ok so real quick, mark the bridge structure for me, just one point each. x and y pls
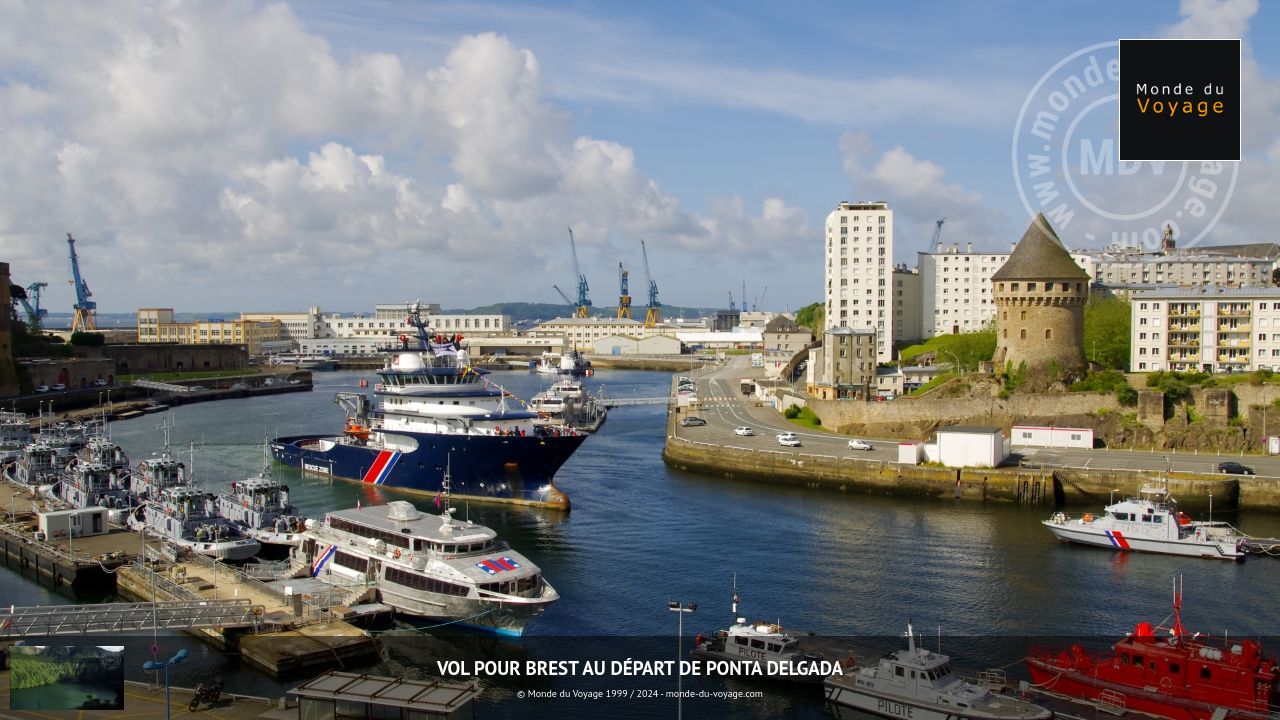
(621, 402)
(42, 620)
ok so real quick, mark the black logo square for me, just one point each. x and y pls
(1179, 100)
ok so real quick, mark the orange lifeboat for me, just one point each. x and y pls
(356, 430)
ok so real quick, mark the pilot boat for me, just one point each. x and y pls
(1150, 522)
(922, 685)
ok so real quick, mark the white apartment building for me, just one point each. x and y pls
(955, 288)
(859, 267)
(1211, 329)
(1184, 270)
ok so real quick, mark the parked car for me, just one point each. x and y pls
(59, 387)
(1235, 468)
(42, 388)
(693, 422)
(99, 383)
(856, 444)
(789, 441)
(744, 431)
(786, 434)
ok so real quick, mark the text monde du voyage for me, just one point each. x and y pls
(1177, 100)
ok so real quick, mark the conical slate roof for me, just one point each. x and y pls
(1040, 256)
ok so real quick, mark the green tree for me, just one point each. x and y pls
(1106, 331)
(966, 349)
(88, 339)
(812, 316)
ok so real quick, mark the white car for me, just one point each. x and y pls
(744, 431)
(860, 445)
(789, 441)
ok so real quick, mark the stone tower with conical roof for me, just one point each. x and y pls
(1039, 295)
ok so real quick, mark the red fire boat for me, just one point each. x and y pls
(1166, 672)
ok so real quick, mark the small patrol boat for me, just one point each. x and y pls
(1150, 522)
(775, 652)
(180, 515)
(922, 685)
(260, 508)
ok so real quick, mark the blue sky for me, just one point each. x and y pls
(252, 156)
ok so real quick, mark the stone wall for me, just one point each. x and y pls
(918, 417)
(72, 372)
(138, 359)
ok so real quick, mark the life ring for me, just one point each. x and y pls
(246, 503)
(404, 338)
(396, 554)
(1166, 683)
(848, 662)
(697, 641)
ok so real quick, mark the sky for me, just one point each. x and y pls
(240, 155)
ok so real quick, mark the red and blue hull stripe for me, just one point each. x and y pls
(321, 559)
(381, 468)
(1117, 540)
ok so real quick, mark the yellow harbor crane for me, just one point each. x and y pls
(624, 296)
(653, 312)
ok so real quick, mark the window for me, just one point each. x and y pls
(1048, 334)
(1024, 334)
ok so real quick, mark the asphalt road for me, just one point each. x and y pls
(724, 407)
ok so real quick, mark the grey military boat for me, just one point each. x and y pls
(921, 685)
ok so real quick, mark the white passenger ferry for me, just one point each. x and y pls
(430, 566)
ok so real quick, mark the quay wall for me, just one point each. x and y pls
(1032, 486)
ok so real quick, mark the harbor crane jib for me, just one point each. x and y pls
(652, 313)
(86, 310)
(31, 304)
(584, 299)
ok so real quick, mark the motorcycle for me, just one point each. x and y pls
(207, 694)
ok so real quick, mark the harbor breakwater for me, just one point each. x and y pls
(1028, 486)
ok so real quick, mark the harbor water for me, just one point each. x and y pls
(640, 535)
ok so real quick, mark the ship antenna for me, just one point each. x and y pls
(911, 637)
(446, 484)
(735, 594)
(1178, 630)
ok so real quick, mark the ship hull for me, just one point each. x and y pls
(1113, 540)
(843, 693)
(483, 467)
(1086, 688)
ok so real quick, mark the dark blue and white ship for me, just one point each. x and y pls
(430, 405)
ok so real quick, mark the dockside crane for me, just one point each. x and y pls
(937, 234)
(732, 307)
(86, 317)
(567, 301)
(652, 313)
(624, 294)
(755, 304)
(584, 300)
(31, 304)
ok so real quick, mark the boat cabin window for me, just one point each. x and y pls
(897, 670)
(774, 647)
(1157, 519)
(740, 640)
(1120, 515)
(1137, 660)
(758, 644)
(1175, 668)
(1146, 518)
(1205, 672)
(913, 675)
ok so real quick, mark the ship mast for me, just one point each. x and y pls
(1178, 630)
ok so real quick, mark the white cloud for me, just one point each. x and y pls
(221, 156)
(919, 194)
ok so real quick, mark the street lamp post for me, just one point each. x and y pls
(680, 609)
(165, 665)
(955, 357)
